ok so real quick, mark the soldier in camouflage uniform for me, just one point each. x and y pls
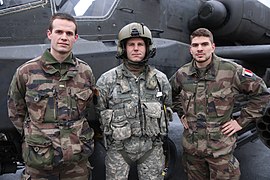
(47, 102)
(203, 93)
(134, 98)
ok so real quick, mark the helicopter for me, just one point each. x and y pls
(241, 30)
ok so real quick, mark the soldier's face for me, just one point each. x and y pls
(136, 49)
(62, 36)
(201, 49)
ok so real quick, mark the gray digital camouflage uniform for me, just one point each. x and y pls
(133, 121)
(47, 102)
(207, 100)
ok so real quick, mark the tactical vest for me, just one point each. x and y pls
(135, 107)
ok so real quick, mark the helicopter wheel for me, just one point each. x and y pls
(170, 159)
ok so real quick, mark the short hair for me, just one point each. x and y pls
(63, 16)
(202, 32)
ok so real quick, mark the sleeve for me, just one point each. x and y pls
(258, 96)
(92, 78)
(102, 102)
(17, 109)
(176, 89)
(93, 86)
(168, 92)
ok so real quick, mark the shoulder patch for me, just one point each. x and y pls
(247, 73)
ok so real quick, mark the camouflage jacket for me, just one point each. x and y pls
(132, 106)
(207, 101)
(47, 103)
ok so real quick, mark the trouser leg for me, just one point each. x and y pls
(196, 167)
(152, 167)
(224, 167)
(116, 166)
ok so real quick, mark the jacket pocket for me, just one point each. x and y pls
(220, 101)
(131, 111)
(153, 114)
(121, 130)
(83, 99)
(120, 126)
(37, 103)
(38, 152)
(76, 141)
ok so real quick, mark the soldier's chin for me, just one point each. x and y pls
(198, 60)
(63, 51)
(136, 59)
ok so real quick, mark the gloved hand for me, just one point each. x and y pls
(169, 114)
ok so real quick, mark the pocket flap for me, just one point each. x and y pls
(37, 140)
(152, 109)
(119, 124)
(222, 93)
(84, 95)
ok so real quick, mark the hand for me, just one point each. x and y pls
(184, 122)
(169, 114)
(230, 127)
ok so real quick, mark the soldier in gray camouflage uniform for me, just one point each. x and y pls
(47, 102)
(134, 100)
(203, 93)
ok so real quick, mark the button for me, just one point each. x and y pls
(36, 149)
(37, 98)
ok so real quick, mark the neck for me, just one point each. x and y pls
(60, 57)
(135, 69)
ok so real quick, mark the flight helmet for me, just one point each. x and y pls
(133, 30)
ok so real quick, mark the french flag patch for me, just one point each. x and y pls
(247, 72)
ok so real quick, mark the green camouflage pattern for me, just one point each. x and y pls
(47, 102)
(132, 115)
(208, 102)
(225, 167)
(73, 171)
(151, 168)
(207, 98)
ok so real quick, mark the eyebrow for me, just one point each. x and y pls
(203, 43)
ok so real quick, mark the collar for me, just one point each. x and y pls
(148, 73)
(49, 64)
(49, 59)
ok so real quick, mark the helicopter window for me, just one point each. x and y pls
(265, 2)
(88, 8)
(8, 6)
